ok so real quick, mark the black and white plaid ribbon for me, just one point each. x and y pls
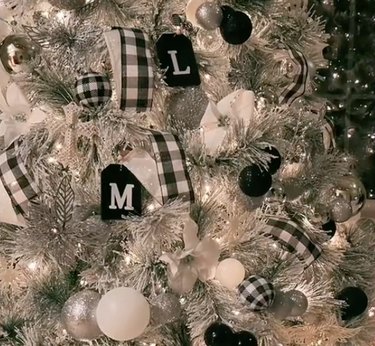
(328, 127)
(171, 165)
(299, 85)
(16, 180)
(132, 68)
(294, 238)
(257, 292)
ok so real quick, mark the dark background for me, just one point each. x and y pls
(349, 82)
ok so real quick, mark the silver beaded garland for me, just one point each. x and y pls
(78, 315)
(209, 15)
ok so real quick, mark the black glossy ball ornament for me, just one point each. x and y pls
(236, 26)
(330, 228)
(218, 334)
(244, 338)
(356, 302)
(254, 181)
(275, 162)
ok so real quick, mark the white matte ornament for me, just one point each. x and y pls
(230, 273)
(123, 314)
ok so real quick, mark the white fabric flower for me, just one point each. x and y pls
(14, 104)
(236, 107)
(198, 260)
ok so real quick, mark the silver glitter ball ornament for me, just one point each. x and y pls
(299, 302)
(186, 107)
(165, 308)
(209, 15)
(78, 315)
(68, 4)
(341, 210)
(353, 191)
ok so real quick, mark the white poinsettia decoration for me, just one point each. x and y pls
(198, 260)
(17, 116)
(236, 107)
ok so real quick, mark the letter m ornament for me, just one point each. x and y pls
(120, 193)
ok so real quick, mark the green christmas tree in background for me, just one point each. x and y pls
(170, 176)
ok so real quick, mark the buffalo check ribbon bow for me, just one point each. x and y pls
(17, 187)
(68, 155)
(236, 107)
(132, 68)
(301, 76)
(162, 168)
(291, 235)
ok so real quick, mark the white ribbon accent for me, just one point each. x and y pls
(183, 272)
(144, 167)
(13, 103)
(236, 107)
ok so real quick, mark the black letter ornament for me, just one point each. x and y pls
(176, 56)
(120, 193)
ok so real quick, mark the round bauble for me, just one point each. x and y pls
(355, 300)
(186, 107)
(281, 306)
(244, 338)
(254, 182)
(275, 162)
(78, 315)
(299, 302)
(93, 90)
(68, 4)
(330, 228)
(16, 53)
(191, 10)
(353, 191)
(165, 308)
(230, 273)
(236, 26)
(218, 334)
(209, 15)
(123, 314)
(341, 210)
(257, 293)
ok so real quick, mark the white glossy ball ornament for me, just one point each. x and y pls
(123, 314)
(230, 273)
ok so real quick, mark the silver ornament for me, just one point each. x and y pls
(68, 4)
(16, 53)
(341, 210)
(209, 15)
(165, 308)
(210, 41)
(78, 315)
(353, 191)
(299, 303)
(281, 307)
(187, 107)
